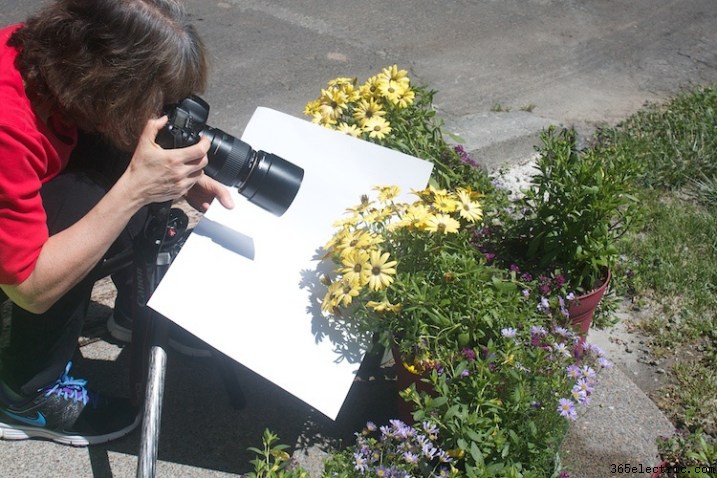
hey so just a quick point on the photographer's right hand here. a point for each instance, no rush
(158, 175)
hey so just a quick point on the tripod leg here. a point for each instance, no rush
(154, 396)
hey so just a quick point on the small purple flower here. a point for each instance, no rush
(465, 373)
(574, 372)
(585, 384)
(561, 331)
(527, 277)
(566, 408)
(526, 293)
(538, 330)
(559, 281)
(410, 457)
(604, 363)
(544, 305)
(514, 268)
(588, 372)
(508, 332)
(562, 349)
(489, 257)
(430, 429)
(469, 354)
(360, 463)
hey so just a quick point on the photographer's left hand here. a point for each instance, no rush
(201, 195)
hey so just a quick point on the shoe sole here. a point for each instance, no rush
(123, 334)
(19, 432)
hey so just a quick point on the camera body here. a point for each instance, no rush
(264, 179)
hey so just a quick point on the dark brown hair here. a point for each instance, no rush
(111, 65)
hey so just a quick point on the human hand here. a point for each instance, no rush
(158, 175)
(205, 190)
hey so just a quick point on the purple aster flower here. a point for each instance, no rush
(430, 429)
(538, 330)
(410, 457)
(588, 372)
(428, 450)
(381, 471)
(527, 277)
(561, 331)
(585, 384)
(562, 349)
(508, 332)
(360, 463)
(566, 408)
(604, 363)
(544, 305)
(574, 372)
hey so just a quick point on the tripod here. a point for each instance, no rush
(164, 233)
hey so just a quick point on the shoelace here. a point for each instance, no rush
(69, 387)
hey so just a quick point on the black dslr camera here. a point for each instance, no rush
(264, 179)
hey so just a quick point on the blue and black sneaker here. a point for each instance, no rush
(66, 412)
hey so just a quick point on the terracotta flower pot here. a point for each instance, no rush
(582, 309)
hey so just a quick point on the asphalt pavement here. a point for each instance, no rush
(503, 70)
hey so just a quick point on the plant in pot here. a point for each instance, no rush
(387, 109)
(411, 273)
(503, 408)
(563, 231)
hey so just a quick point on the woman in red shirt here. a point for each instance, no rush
(83, 84)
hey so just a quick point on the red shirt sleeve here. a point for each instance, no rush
(23, 229)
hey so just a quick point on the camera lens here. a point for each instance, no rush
(266, 180)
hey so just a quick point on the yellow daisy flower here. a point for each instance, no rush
(469, 210)
(442, 223)
(381, 270)
(349, 129)
(369, 90)
(377, 127)
(367, 109)
(406, 98)
(354, 240)
(392, 90)
(356, 266)
(311, 108)
(387, 193)
(350, 288)
(331, 301)
(383, 306)
(333, 102)
(445, 203)
(392, 73)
